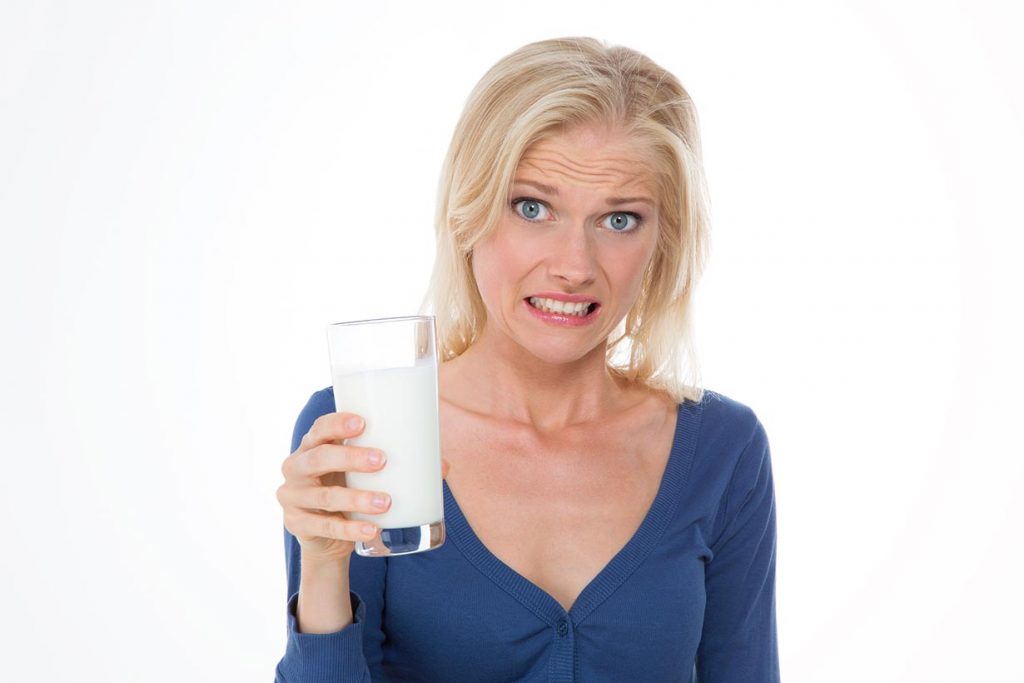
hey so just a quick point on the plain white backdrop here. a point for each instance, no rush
(191, 191)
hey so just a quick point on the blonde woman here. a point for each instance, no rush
(607, 518)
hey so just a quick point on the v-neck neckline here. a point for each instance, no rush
(622, 564)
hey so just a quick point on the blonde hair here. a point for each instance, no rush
(530, 95)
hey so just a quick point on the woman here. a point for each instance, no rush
(607, 520)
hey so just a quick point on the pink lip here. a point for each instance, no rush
(562, 319)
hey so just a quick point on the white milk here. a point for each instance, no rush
(400, 409)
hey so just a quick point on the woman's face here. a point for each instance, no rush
(581, 222)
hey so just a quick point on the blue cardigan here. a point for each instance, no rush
(690, 597)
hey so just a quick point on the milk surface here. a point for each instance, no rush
(399, 406)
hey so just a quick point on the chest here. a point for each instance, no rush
(556, 511)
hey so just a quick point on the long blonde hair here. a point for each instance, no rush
(530, 95)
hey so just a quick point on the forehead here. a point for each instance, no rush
(589, 156)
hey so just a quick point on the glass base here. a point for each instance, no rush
(413, 539)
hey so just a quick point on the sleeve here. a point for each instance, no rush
(739, 641)
(348, 655)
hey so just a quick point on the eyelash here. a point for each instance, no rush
(637, 217)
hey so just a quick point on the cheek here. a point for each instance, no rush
(629, 272)
(629, 285)
(497, 266)
(488, 271)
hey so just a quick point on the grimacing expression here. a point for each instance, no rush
(581, 218)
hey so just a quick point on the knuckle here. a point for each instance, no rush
(307, 438)
(288, 465)
(328, 528)
(315, 430)
(325, 497)
(355, 459)
(338, 528)
(344, 458)
(314, 459)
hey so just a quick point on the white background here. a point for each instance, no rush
(191, 191)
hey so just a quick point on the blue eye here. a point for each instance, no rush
(531, 208)
(616, 222)
(619, 221)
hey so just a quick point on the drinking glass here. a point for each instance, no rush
(385, 370)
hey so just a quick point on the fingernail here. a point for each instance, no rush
(369, 530)
(376, 458)
(380, 500)
(354, 423)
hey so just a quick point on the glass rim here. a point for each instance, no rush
(393, 319)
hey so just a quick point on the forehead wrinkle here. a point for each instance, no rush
(568, 162)
(637, 176)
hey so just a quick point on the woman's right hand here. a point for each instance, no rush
(314, 495)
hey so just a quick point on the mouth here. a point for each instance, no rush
(570, 315)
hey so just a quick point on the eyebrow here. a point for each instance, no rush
(553, 191)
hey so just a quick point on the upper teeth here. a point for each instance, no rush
(555, 306)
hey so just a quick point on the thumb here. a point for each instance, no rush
(445, 466)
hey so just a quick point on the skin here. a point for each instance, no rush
(538, 374)
(540, 435)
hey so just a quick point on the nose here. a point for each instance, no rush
(573, 259)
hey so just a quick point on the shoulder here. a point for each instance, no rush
(729, 434)
(722, 415)
(733, 471)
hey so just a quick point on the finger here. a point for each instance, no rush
(327, 458)
(333, 499)
(331, 427)
(303, 524)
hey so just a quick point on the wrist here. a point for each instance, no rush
(324, 604)
(325, 564)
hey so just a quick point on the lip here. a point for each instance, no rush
(561, 319)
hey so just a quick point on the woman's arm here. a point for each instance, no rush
(739, 642)
(324, 605)
(334, 611)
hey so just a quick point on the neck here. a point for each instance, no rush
(500, 379)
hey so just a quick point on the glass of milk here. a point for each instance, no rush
(385, 370)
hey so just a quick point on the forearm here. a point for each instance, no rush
(324, 605)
